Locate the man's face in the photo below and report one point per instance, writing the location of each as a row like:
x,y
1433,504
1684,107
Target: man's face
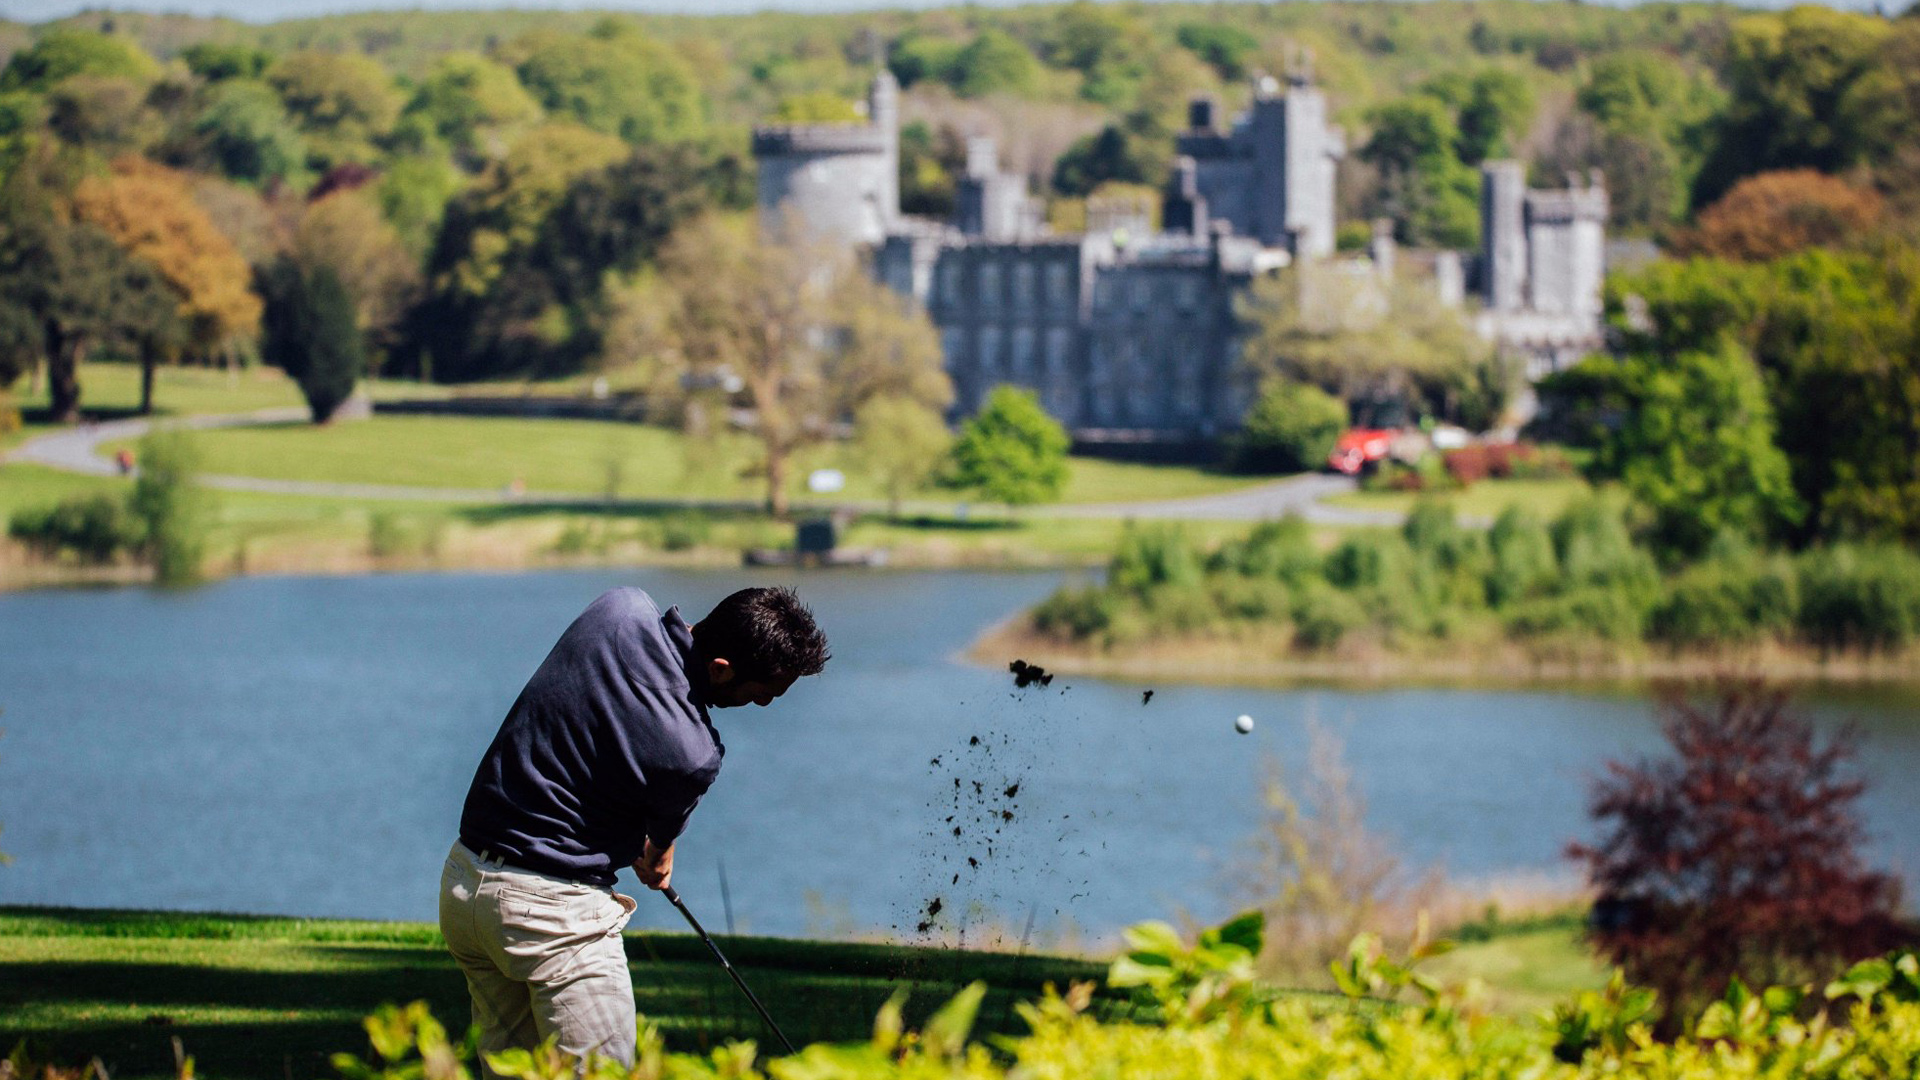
x,y
727,689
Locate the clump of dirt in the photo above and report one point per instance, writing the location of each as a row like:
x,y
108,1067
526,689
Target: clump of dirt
x,y
1025,674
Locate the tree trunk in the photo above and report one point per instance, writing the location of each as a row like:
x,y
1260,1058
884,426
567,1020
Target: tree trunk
x,y
148,361
63,375
777,482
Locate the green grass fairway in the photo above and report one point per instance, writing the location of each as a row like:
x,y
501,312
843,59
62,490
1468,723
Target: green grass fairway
x,y
1527,970
1485,499
269,999
589,457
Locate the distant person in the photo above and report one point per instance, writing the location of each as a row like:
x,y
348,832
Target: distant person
x,y
598,766
124,459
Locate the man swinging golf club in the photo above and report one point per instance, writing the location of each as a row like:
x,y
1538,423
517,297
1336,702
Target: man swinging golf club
x,y
597,766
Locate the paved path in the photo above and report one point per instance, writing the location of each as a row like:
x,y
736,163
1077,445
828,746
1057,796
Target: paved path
x,y
77,449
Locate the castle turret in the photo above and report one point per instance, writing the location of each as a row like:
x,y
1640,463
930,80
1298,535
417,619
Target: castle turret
x,y
1503,235
839,181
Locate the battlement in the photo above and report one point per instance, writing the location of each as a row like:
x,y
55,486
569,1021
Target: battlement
x,y
773,140
1567,206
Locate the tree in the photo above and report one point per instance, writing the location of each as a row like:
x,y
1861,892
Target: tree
x,y
150,211
217,61
76,288
108,114
1292,428
247,132
1492,109
1794,79
618,83
1423,185
342,102
1354,335
1109,46
1696,445
171,506
994,63
1226,49
61,53
345,233
811,337
902,442
1777,213
1011,451
1738,856
476,105
312,334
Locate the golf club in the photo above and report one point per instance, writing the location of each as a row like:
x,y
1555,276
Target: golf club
x,y
737,980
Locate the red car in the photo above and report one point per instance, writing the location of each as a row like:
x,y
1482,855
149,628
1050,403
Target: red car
x,y
1359,448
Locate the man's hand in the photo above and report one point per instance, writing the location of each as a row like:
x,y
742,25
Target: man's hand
x,y
654,867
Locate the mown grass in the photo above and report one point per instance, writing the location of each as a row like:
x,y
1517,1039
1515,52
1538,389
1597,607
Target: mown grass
x,y
272,998
1485,500
588,457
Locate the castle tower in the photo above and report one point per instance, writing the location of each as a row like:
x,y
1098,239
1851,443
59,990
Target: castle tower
x,y
837,181
1503,235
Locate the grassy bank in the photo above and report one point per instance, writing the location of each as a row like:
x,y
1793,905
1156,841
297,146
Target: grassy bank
x,y
268,999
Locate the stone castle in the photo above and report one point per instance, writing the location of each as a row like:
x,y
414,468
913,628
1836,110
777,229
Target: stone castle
x,y
1127,333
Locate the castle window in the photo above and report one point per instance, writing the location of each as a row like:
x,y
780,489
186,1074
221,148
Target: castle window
x,y
1142,292
950,282
992,364
1023,297
1022,358
1058,292
989,285
1059,342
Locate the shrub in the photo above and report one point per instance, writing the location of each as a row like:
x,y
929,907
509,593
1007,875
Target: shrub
x,y
1151,556
95,528
1182,608
172,509
1594,546
1860,597
1281,549
1737,856
1724,600
1524,563
1608,613
1371,559
683,530
1077,613
1254,599
1323,615
1292,428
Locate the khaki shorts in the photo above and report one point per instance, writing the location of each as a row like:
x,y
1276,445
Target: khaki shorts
x,y
542,956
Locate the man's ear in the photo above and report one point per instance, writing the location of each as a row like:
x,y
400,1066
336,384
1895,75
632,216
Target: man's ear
x,y
719,672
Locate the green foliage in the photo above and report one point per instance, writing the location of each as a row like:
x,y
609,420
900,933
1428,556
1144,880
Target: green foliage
x,y
1524,562
1601,1020
173,511
1860,597
1152,556
341,102
473,103
1726,600
1425,186
918,57
311,334
217,61
247,132
902,442
95,528
1696,446
623,84
62,53
1292,428
1283,550
1108,46
1225,48
819,107
994,62
1324,615
1192,985
1011,451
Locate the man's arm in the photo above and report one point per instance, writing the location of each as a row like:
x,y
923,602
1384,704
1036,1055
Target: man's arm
x,y
654,867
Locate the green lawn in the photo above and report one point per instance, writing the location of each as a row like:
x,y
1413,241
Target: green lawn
x,y
268,999
1525,971
589,457
1486,499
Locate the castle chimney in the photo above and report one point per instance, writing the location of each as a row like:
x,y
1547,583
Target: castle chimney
x,y
1200,115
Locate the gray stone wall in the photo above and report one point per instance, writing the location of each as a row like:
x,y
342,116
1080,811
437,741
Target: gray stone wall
x,y
837,181
1271,177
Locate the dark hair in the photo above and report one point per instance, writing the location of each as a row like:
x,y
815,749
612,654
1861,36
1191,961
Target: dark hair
x,y
764,632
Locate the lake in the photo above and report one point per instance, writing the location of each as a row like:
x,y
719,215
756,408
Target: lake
x,y
301,746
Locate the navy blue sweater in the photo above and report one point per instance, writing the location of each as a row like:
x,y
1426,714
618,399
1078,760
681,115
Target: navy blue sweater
x,y
609,744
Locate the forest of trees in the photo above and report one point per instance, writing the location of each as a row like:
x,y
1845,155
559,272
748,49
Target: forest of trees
x,y
491,193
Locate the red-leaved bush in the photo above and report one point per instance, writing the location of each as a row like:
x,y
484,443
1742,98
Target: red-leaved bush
x,y
1739,856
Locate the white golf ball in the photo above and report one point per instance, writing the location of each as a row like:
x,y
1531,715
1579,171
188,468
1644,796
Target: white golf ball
x,y
1244,724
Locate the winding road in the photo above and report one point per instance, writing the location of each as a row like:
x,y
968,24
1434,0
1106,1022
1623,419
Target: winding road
x,y
77,450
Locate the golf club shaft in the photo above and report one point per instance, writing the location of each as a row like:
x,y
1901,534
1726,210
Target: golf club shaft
x,y
674,897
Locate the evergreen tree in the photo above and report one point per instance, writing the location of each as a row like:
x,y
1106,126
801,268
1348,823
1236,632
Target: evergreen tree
x,y
312,336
